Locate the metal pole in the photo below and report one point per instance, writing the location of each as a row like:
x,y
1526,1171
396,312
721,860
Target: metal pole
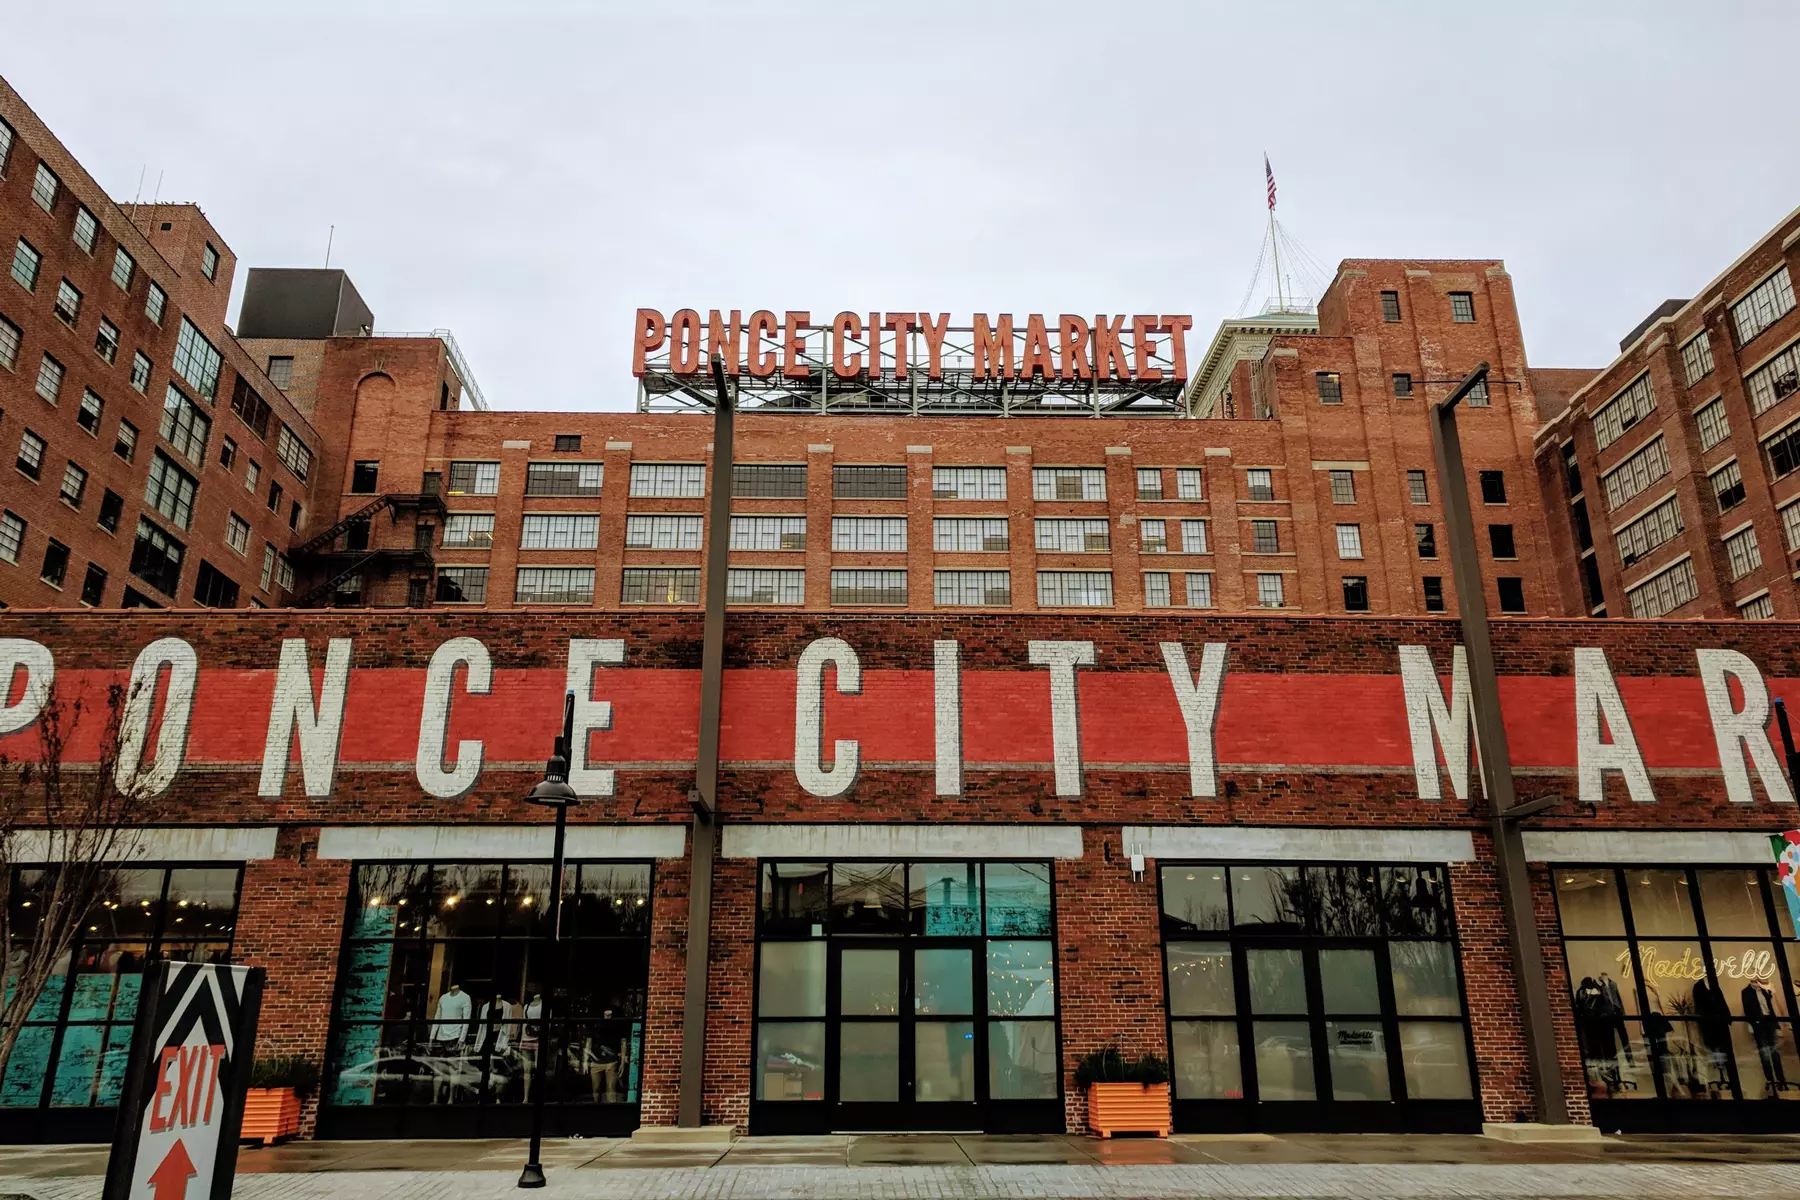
x,y
1787,746
1496,763
691,1113
533,1174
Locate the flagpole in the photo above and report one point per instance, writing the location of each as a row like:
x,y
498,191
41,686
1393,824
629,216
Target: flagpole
x,y
1274,242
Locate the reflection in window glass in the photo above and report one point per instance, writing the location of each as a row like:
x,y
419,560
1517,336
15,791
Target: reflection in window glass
x,y
1414,901
868,898
790,1061
1270,897
1206,1062
1424,975
1345,897
793,898
1660,903
1200,979
942,982
1284,1061
791,980
946,899
1022,1063
1435,1059
1733,903
868,982
1348,981
869,1062
1020,979
944,1061
1357,1055
1193,900
1588,901
1277,980
1018,899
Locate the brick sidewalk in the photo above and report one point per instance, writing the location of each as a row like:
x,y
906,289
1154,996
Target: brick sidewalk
x,y
1636,1181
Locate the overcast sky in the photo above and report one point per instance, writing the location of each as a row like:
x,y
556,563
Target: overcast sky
x,y
528,174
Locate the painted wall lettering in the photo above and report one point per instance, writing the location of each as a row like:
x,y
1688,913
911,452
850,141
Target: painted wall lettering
x,y
1199,701
434,722
39,667
1597,702
809,717
293,713
946,683
1065,709
1432,722
1739,730
140,707
586,656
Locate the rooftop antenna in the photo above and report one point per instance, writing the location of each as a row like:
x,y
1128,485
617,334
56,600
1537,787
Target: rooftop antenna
x,y
329,237
139,194
158,193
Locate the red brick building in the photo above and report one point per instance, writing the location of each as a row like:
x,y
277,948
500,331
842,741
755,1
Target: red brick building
x,y
957,854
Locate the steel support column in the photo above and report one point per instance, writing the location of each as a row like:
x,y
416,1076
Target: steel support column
x,y
1496,763
705,796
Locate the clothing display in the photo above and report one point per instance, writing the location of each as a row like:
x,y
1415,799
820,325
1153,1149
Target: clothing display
x,y
497,1026
1765,1030
1618,1007
1600,1029
451,1020
1715,1026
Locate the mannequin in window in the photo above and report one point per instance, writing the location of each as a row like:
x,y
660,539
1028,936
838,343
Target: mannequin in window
x,y
529,1033
1618,1007
1759,1007
1596,1028
495,1027
1715,1031
451,1021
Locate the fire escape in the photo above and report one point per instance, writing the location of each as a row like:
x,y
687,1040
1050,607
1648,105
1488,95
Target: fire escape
x,y
347,550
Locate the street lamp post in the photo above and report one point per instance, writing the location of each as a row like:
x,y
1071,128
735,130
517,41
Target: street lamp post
x,y
553,791
1496,762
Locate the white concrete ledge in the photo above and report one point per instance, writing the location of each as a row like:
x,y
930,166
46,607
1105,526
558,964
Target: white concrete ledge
x,y
191,844
1296,842
900,841
500,841
1648,846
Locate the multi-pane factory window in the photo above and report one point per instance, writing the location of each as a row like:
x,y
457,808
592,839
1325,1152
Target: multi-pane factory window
x,y
1665,591
769,481
868,533
155,302
74,484
125,442
184,426
868,483
764,533
112,507
25,264
1634,402
1713,426
209,262
563,479
1190,484
1500,541
49,379
1153,537
10,336
93,585
474,478
140,371
1068,483
868,587
1774,381
196,360
968,483
106,341
123,269
971,589
1790,525
1156,589
1433,589
459,585
1742,552
745,585
660,585
567,443
1757,608
281,370
170,490
213,588
1149,483
678,480
44,187
1343,487
1199,589
31,455
1331,387
1073,536
1696,358
6,145
1657,527
1477,396
1462,307
1767,303
1390,307
1356,593
646,531
86,229
156,558
1416,490
293,453
1403,386
970,534
1075,589
1269,590
12,535
237,532
68,302
1265,537
560,531
1349,541
469,529
1636,473
1193,537
1261,483
253,410
1425,534
554,585
1728,486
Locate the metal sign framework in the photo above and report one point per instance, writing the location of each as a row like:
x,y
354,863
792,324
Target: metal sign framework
x,y
958,392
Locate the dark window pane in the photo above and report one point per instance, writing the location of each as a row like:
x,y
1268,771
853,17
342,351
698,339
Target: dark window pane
x,y
1272,899
1413,901
1587,901
1193,899
464,901
793,898
1345,900
613,899
868,898
946,899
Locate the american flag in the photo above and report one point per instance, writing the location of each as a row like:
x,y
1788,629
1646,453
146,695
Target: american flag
x,y
1269,172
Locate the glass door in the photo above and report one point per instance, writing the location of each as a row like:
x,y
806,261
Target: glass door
x,y
906,1050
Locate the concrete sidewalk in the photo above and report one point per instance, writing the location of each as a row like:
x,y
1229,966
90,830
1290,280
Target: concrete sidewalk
x,y
1037,1168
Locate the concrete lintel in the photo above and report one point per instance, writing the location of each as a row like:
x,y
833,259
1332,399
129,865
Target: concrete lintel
x,y
1649,846
516,444
918,449
1299,842
1284,352
1118,449
1413,274
500,841
780,840
1018,449
618,445
1320,464
189,844
1218,452
818,447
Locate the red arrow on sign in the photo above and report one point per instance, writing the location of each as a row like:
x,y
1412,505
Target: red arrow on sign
x,y
169,1181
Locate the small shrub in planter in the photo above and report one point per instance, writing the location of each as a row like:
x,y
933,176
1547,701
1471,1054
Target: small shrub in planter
x,y
1124,1095
272,1105
294,1071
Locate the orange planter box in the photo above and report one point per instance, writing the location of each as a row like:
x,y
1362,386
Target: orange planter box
x,y
1128,1108
270,1113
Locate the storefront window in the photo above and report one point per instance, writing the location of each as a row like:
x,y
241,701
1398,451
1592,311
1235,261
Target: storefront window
x,y
72,1053
1680,982
443,981
1329,985
904,995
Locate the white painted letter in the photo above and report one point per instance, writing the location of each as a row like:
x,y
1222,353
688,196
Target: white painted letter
x,y
585,654
1597,699
1199,700
1065,710
946,679
40,673
140,704
1429,717
434,723
809,717
1736,732
293,713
